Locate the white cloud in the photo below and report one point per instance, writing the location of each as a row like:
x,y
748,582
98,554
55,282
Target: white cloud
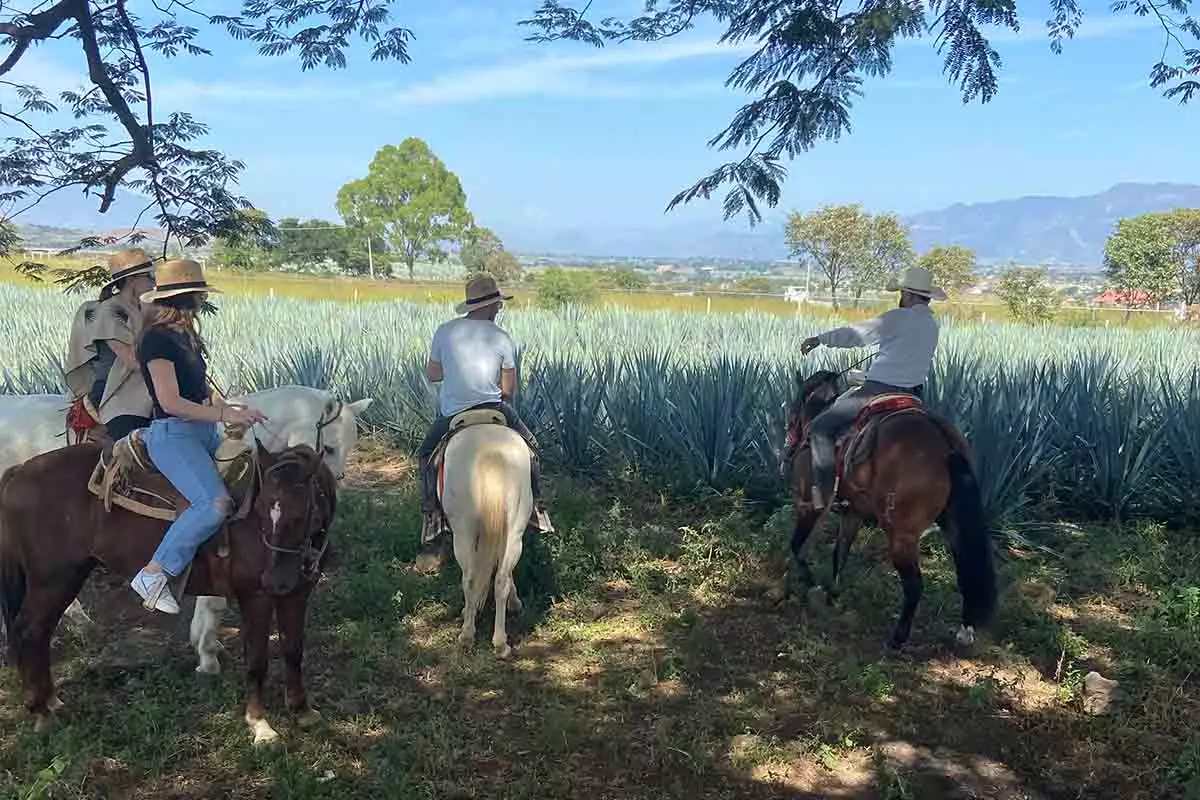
x,y
560,75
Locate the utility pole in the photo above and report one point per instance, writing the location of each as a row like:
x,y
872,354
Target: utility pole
x,y
370,258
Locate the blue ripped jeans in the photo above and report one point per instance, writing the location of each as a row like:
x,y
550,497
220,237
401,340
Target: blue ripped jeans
x,y
182,451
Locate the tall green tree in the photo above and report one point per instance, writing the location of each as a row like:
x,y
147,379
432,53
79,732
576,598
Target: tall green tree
x,y
953,267
482,251
1027,295
1139,260
889,251
1183,226
109,139
849,246
409,198
810,61
250,245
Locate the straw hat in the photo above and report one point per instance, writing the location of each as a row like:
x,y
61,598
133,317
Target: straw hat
x,y
128,263
176,277
917,280
482,292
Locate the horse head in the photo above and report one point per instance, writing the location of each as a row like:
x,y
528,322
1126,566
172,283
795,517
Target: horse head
x,y
337,432
294,505
814,394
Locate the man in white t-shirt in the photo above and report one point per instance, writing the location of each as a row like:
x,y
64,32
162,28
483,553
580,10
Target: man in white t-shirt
x,y
473,362
907,337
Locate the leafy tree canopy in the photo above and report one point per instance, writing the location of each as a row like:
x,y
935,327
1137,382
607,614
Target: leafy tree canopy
x,y
1138,260
482,251
1027,295
953,267
810,61
410,199
110,136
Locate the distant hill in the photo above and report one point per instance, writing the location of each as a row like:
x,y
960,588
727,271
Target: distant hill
x,y
1047,230
1063,231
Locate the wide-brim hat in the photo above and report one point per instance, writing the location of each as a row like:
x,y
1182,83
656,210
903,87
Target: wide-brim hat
x,y
176,277
917,280
127,264
482,292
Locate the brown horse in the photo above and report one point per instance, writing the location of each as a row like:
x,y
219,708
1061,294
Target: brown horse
x,y
911,470
53,532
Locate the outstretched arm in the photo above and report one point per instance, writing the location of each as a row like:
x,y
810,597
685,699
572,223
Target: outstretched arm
x,y
859,334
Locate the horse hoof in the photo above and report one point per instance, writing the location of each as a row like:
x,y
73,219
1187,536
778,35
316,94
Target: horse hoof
x,y
503,651
309,719
776,594
264,734
43,723
209,667
466,640
54,704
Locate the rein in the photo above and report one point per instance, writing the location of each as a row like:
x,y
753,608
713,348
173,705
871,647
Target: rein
x,y
311,555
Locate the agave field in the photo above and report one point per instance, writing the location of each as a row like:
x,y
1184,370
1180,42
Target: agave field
x,y
1085,423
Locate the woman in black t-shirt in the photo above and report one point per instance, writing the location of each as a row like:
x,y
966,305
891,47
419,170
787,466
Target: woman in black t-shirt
x,y
184,434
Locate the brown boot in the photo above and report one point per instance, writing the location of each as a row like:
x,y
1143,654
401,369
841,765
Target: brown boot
x,y
433,552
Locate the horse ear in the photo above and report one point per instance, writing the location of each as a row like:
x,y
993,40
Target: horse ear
x,y
359,406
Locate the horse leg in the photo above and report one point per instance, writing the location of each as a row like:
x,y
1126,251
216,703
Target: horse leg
x,y
806,522
848,529
291,611
205,621
256,611
464,554
505,593
40,612
905,548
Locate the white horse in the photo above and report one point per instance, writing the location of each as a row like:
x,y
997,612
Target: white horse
x,y
35,424
487,501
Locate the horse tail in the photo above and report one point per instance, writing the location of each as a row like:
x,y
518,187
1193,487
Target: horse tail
x,y
973,552
12,576
491,502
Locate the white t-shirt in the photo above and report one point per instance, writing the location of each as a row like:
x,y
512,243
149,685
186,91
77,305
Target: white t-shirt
x,y
472,352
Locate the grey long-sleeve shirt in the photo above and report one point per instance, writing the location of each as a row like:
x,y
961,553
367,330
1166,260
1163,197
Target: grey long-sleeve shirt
x,y
907,339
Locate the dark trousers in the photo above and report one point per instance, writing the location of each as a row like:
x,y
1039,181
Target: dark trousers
x,y
122,426
830,423
438,431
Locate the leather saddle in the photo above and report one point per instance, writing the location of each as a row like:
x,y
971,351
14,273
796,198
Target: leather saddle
x,y
458,423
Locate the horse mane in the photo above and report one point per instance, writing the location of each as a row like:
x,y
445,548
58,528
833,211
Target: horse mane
x,y
808,399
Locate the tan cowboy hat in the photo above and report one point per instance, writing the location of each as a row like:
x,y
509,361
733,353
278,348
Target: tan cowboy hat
x,y
482,291
917,280
176,277
128,263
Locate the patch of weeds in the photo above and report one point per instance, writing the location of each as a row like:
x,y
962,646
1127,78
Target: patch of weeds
x,y
1184,770
875,681
45,779
893,782
985,693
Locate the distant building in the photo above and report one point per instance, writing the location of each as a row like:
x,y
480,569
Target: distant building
x,y
1123,299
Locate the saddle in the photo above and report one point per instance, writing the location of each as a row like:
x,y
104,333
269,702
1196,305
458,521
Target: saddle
x,y
857,440
460,422
125,476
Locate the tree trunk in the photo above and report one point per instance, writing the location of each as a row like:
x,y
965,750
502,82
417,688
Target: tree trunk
x,y
410,261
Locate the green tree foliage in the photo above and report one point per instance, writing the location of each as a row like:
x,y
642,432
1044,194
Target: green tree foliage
x,y
10,237
315,243
250,245
953,267
1184,226
849,246
482,251
811,60
114,138
1138,259
409,198
558,287
1027,295
624,279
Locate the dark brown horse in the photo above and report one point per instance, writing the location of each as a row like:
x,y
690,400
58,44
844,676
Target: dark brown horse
x,y
912,471
53,532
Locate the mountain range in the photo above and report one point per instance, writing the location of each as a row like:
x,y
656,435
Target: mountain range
x,y
1062,231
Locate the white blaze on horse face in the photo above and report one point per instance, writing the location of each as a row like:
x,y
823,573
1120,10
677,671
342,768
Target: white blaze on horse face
x,y
276,515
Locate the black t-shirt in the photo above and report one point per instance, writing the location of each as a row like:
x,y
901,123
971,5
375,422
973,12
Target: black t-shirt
x,y
190,369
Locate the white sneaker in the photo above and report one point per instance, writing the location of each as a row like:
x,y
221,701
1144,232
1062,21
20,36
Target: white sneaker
x,y
155,594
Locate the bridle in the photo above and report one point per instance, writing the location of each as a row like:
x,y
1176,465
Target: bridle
x,y
311,556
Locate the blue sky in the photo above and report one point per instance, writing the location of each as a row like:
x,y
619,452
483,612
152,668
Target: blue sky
x,y
567,136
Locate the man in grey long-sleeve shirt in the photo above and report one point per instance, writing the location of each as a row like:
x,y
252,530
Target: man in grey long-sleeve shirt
x,y
907,337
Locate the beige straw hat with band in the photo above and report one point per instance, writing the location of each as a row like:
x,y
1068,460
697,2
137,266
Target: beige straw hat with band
x,y
481,293
128,263
176,277
917,280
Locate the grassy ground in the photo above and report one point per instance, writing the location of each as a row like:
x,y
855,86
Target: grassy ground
x,y
648,663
